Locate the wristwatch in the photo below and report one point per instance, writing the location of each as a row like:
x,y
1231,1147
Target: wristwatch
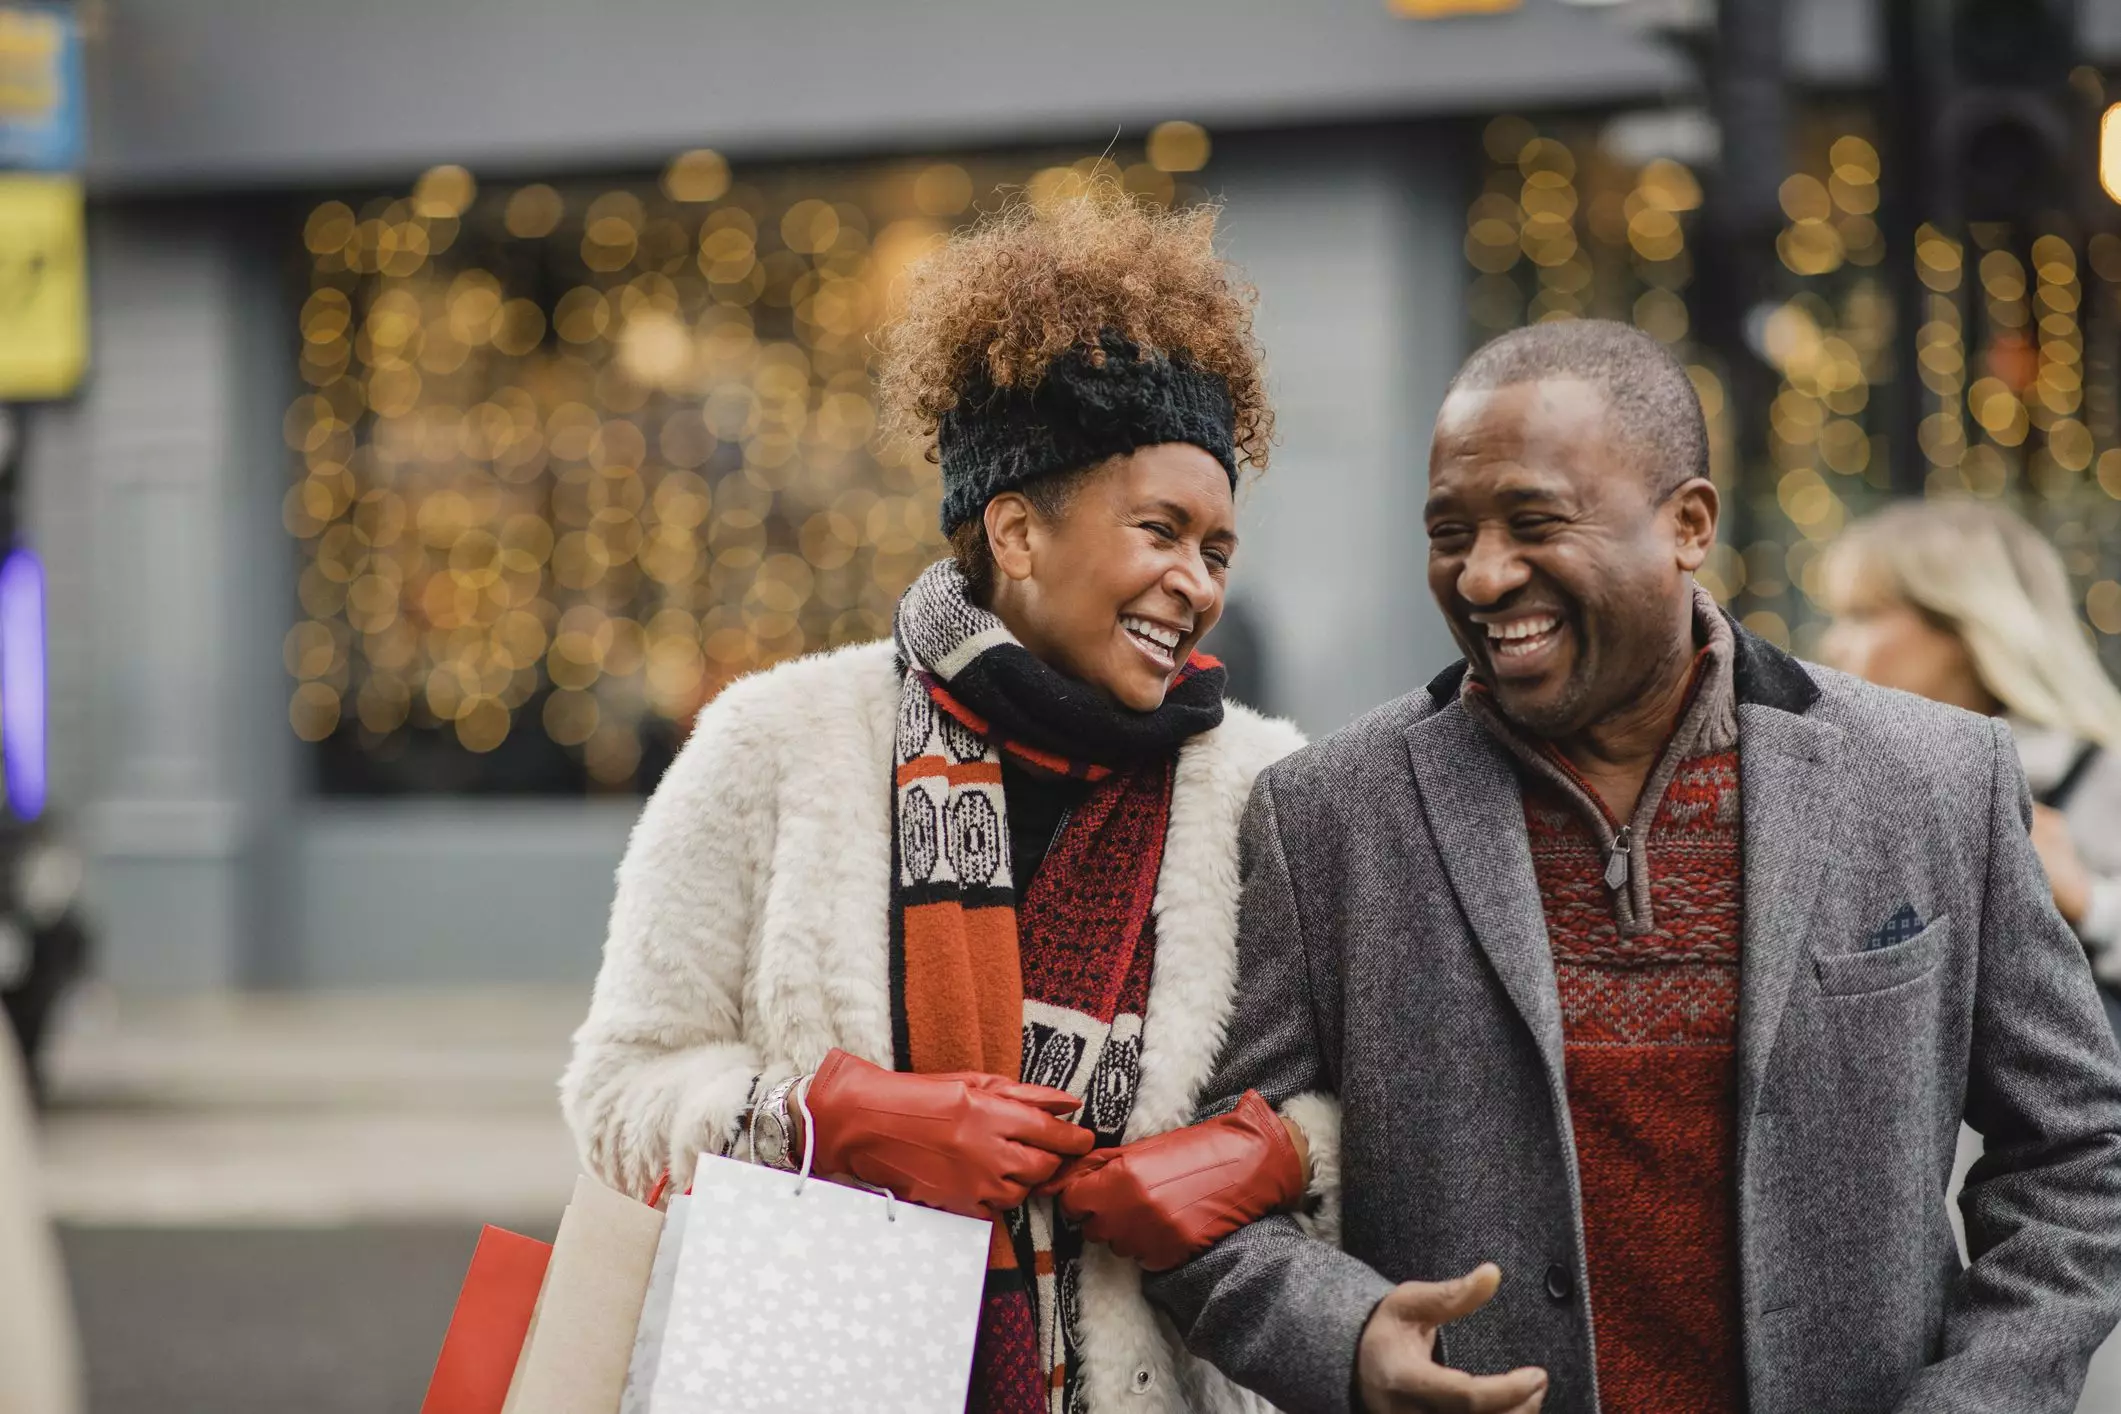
x,y
772,1132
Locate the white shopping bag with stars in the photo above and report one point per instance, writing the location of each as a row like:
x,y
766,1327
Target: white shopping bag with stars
x,y
655,1310
794,1295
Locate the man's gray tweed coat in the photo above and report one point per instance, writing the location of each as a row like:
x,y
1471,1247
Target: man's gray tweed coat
x,y
1393,953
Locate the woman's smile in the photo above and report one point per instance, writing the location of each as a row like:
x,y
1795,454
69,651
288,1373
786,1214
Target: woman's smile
x,y
1158,642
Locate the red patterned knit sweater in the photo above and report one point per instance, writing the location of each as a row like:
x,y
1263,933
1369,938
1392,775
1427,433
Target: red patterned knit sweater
x,y
1648,975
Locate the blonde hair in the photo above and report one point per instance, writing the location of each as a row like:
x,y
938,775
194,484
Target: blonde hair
x,y
1980,572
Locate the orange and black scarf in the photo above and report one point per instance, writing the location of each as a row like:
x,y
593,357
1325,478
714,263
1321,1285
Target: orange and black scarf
x,y
1053,993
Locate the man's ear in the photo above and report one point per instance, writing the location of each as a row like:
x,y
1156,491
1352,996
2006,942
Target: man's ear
x,y
1008,520
1695,509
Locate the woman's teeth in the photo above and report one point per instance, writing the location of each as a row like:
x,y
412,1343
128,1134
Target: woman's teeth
x,y
1521,637
1160,643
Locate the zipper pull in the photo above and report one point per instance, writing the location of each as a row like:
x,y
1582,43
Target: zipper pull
x,y
1616,864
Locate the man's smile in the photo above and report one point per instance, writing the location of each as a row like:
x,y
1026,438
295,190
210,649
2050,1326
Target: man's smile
x,y
1521,643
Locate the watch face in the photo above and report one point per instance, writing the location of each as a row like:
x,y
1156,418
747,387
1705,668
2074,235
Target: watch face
x,y
772,1141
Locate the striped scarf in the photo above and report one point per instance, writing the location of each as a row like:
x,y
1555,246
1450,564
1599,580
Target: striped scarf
x,y
1054,993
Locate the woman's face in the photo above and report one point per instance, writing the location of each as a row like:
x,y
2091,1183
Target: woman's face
x,y
1884,639
1119,588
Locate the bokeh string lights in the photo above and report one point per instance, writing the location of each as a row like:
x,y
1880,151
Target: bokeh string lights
x,y
1563,229
2012,345
572,456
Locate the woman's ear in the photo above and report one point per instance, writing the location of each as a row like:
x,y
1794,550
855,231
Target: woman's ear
x,y
1008,520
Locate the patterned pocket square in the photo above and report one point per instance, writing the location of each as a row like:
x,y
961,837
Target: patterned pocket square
x,y
1898,929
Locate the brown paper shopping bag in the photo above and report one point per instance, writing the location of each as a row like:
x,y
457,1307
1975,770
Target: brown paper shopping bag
x,y
581,1335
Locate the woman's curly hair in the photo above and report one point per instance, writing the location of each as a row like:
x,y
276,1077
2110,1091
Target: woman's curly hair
x,y
1031,282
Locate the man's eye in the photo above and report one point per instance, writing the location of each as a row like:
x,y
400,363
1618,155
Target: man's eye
x,y
1218,558
1158,529
1447,536
1534,525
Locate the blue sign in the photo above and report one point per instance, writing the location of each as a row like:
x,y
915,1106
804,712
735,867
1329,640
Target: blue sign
x,y
22,693
41,99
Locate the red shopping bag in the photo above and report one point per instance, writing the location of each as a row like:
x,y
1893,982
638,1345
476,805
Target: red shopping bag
x,y
486,1334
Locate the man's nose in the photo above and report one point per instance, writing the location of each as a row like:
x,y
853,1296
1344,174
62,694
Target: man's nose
x,y
1493,570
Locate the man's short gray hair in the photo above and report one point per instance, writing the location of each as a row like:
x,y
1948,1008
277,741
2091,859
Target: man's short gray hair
x,y
1654,409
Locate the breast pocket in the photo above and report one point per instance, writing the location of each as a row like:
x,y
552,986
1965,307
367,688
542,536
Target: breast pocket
x,y
1856,974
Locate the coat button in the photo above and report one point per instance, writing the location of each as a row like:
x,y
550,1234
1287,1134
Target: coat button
x,y
1560,1285
1143,1378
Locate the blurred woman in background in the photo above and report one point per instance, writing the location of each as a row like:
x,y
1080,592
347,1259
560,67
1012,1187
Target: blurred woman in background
x,y
912,907
1966,603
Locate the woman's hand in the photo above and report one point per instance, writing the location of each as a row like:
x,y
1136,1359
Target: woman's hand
x,y
973,1144
1170,1197
2066,874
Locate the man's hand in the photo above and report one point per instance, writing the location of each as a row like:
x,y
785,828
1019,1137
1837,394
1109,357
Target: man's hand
x,y
1395,1367
2066,874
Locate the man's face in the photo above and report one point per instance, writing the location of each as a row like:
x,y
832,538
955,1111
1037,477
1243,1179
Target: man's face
x,y
1563,583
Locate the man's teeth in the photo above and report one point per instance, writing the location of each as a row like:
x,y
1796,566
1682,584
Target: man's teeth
x,y
1517,638
1522,628
1165,638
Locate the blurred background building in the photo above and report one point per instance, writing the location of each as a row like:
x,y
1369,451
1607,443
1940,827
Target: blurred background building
x,y
472,390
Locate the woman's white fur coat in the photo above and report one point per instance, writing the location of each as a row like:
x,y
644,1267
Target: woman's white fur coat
x,y
750,935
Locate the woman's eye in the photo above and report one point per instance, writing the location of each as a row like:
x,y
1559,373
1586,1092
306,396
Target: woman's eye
x,y
1158,529
1218,558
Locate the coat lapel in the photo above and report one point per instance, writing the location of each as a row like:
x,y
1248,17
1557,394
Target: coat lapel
x,y
1194,983
1788,765
1475,809
1790,796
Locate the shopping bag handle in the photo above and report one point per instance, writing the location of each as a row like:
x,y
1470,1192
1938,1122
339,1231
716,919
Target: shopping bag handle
x,y
802,1103
802,1179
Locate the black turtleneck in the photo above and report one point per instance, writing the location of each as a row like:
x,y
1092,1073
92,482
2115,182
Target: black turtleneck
x,y
1038,805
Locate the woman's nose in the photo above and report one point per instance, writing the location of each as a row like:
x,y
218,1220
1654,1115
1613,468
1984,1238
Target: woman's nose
x,y
1190,580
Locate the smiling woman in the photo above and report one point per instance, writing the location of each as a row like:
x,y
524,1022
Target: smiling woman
x,y
1096,346
1041,926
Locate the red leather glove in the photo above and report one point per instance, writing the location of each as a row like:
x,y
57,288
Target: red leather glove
x,y
973,1144
1170,1197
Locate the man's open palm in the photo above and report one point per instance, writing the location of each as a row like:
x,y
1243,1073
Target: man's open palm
x,y
1395,1365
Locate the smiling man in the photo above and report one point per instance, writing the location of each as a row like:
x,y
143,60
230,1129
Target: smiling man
x,y
1633,980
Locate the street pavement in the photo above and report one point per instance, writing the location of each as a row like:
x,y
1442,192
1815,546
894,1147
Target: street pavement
x,y
267,1203
264,1320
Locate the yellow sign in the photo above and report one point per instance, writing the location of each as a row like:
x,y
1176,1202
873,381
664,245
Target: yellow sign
x,y
43,287
1438,9
32,44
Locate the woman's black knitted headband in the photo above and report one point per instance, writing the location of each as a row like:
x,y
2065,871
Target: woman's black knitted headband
x,y
1079,413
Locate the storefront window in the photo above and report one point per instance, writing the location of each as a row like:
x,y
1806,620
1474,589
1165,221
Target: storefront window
x,y
575,455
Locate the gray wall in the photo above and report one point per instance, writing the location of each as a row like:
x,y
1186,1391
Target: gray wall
x,y
217,91
1357,262
212,92
445,893
154,498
